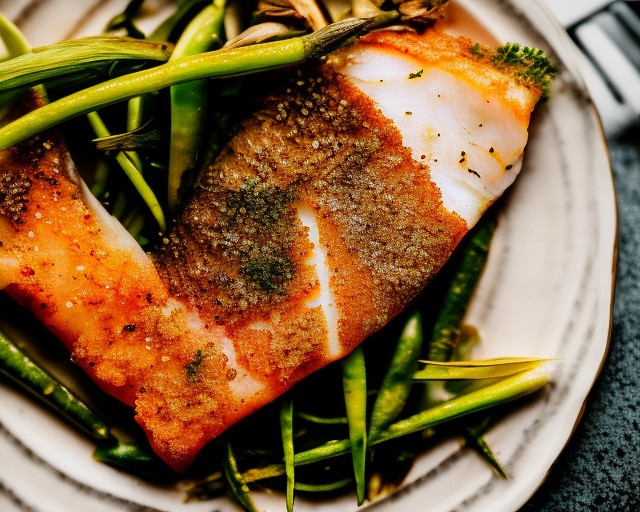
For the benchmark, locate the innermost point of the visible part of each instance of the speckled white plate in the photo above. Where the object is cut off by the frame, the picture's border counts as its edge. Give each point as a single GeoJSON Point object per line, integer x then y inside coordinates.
{"type": "Point", "coordinates": [547, 292]}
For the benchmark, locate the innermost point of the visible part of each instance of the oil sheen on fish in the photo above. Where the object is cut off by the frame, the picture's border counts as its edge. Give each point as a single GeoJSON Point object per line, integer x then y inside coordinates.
{"type": "Point", "coordinates": [328, 211]}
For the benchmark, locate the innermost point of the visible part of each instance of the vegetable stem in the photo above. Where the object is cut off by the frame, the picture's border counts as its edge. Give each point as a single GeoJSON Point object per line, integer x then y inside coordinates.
{"type": "Point", "coordinates": [218, 64]}
{"type": "Point", "coordinates": [447, 327]}
{"type": "Point", "coordinates": [189, 100]}
{"type": "Point", "coordinates": [492, 395]}
{"type": "Point", "coordinates": [234, 478]}
{"type": "Point", "coordinates": [16, 365]}
{"type": "Point", "coordinates": [130, 457]}
{"type": "Point", "coordinates": [85, 57]}
{"type": "Point", "coordinates": [398, 380]}
{"type": "Point", "coordinates": [286, 429]}
{"type": "Point", "coordinates": [354, 379]}
{"type": "Point", "coordinates": [132, 172]}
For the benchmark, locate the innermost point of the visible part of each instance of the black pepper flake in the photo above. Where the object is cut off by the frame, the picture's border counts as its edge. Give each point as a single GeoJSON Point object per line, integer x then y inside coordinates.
{"type": "Point", "coordinates": [129, 328]}
{"type": "Point", "coordinates": [422, 157]}
{"type": "Point", "coordinates": [408, 112]}
{"type": "Point", "coordinates": [491, 150]}
{"type": "Point", "coordinates": [471, 171]}
{"type": "Point", "coordinates": [509, 167]}
{"type": "Point", "coordinates": [92, 364]}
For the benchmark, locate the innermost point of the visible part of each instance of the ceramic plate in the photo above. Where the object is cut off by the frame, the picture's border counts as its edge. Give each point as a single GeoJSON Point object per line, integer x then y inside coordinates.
{"type": "Point", "coordinates": [547, 291]}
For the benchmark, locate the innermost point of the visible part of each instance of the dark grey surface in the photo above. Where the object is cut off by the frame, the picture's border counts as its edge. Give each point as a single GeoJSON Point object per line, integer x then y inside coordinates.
{"type": "Point", "coordinates": [600, 467]}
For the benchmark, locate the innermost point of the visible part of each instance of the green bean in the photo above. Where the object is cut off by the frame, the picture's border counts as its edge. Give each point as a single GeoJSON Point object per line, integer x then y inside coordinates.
{"type": "Point", "coordinates": [446, 331]}
{"type": "Point", "coordinates": [130, 457]}
{"type": "Point", "coordinates": [286, 428]}
{"type": "Point", "coordinates": [391, 400]}
{"type": "Point", "coordinates": [132, 172]}
{"type": "Point", "coordinates": [16, 365]}
{"type": "Point", "coordinates": [218, 64]}
{"type": "Point", "coordinates": [354, 381]}
{"type": "Point", "coordinates": [398, 380]}
{"type": "Point", "coordinates": [236, 483]}
{"type": "Point", "coordinates": [505, 390]}
{"type": "Point", "coordinates": [189, 100]}
{"type": "Point", "coordinates": [136, 109]}
{"type": "Point", "coordinates": [448, 327]}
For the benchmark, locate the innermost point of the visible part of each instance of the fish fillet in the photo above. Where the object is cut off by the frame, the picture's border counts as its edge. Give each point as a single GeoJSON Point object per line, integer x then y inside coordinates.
{"type": "Point", "coordinates": [334, 204]}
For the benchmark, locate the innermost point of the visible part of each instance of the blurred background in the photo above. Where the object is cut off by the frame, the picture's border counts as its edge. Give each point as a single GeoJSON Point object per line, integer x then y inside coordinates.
{"type": "Point", "coordinates": [599, 469]}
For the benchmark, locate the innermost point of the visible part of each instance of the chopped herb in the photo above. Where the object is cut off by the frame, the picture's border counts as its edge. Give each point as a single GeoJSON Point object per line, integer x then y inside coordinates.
{"type": "Point", "coordinates": [417, 74]}
{"type": "Point", "coordinates": [270, 269]}
{"type": "Point", "coordinates": [531, 65]}
{"type": "Point", "coordinates": [261, 203]}
{"type": "Point", "coordinates": [476, 50]}
{"type": "Point", "coordinates": [193, 366]}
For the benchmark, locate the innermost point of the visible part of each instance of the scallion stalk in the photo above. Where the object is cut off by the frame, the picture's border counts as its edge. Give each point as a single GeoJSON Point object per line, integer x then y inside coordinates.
{"type": "Point", "coordinates": [218, 64]}
{"type": "Point", "coordinates": [87, 56]}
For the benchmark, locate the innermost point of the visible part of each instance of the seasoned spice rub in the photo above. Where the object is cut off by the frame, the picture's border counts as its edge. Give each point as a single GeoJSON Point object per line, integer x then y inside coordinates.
{"type": "Point", "coordinates": [332, 206]}
{"type": "Point", "coordinates": [322, 152]}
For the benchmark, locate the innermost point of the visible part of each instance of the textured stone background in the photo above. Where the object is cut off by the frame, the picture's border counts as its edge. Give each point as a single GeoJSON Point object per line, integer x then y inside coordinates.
{"type": "Point", "coordinates": [600, 467]}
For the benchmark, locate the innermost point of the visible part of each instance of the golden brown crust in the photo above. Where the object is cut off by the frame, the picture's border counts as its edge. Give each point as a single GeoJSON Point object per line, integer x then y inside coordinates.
{"type": "Point", "coordinates": [323, 144]}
